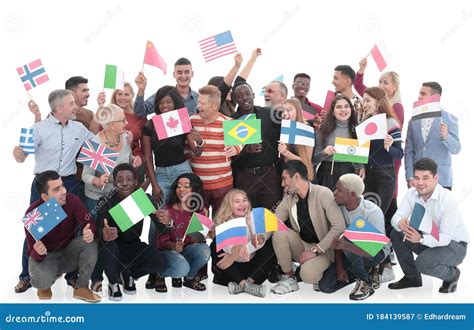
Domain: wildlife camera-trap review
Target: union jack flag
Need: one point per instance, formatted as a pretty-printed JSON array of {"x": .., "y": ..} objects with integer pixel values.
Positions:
[
  {"x": 32, "y": 74},
  {"x": 98, "y": 157},
  {"x": 32, "y": 218}
]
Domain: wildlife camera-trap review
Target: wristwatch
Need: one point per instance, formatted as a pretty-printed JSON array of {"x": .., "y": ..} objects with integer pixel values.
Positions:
[
  {"x": 315, "y": 250},
  {"x": 421, "y": 239}
]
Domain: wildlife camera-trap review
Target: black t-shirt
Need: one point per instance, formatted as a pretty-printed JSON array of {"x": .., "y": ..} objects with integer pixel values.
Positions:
[
  {"x": 307, "y": 231},
  {"x": 271, "y": 126},
  {"x": 167, "y": 152}
]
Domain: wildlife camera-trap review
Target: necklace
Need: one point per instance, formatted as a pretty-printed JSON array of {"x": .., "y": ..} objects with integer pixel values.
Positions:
[{"x": 112, "y": 144}]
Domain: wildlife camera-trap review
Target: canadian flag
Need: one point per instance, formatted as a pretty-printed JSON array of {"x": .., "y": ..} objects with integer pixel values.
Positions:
[
  {"x": 373, "y": 128},
  {"x": 172, "y": 123}
]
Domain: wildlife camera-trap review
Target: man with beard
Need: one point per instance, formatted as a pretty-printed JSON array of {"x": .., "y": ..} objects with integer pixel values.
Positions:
[{"x": 275, "y": 93}]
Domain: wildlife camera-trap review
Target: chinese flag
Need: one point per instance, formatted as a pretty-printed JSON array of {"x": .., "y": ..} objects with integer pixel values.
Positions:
[{"x": 152, "y": 57}]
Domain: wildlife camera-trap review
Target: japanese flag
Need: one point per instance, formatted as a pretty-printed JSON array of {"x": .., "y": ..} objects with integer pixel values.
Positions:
[
  {"x": 172, "y": 123},
  {"x": 374, "y": 128}
]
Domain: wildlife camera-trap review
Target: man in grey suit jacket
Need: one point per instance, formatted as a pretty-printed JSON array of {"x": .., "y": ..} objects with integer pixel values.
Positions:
[{"x": 435, "y": 138}]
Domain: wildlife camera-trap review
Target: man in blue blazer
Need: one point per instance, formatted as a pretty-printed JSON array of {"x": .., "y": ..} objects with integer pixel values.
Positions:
[{"x": 435, "y": 138}]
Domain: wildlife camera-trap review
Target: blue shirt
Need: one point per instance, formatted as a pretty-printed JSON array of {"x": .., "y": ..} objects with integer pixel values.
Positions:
[
  {"x": 57, "y": 145},
  {"x": 143, "y": 108}
]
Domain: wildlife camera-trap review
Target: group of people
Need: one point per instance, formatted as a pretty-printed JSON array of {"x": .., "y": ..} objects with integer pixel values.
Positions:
[{"x": 316, "y": 196}]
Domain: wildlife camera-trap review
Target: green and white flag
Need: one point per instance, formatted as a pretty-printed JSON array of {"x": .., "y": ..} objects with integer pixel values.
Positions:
[
  {"x": 132, "y": 210},
  {"x": 113, "y": 77}
]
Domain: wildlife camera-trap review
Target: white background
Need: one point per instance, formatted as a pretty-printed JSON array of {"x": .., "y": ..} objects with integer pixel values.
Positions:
[{"x": 428, "y": 41}]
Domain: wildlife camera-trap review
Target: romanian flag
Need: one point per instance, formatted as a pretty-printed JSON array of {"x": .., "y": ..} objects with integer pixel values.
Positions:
[
  {"x": 232, "y": 232},
  {"x": 199, "y": 224},
  {"x": 421, "y": 220},
  {"x": 365, "y": 236},
  {"x": 239, "y": 132},
  {"x": 348, "y": 150},
  {"x": 265, "y": 221}
]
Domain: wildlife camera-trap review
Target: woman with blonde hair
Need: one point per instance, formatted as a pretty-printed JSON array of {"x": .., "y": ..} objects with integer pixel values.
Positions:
[
  {"x": 242, "y": 268},
  {"x": 292, "y": 110}
]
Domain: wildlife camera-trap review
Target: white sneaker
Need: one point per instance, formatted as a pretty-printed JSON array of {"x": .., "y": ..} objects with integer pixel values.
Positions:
[
  {"x": 286, "y": 285},
  {"x": 387, "y": 275},
  {"x": 393, "y": 258},
  {"x": 316, "y": 287},
  {"x": 234, "y": 288},
  {"x": 256, "y": 290}
]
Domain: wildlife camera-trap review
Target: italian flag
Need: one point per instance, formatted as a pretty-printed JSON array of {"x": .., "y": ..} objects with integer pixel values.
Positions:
[
  {"x": 348, "y": 150},
  {"x": 132, "y": 210},
  {"x": 199, "y": 224},
  {"x": 114, "y": 77}
]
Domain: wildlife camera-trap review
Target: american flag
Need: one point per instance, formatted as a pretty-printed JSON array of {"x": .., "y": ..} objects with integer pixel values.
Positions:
[
  {"x": 98, "y": 157},
  {"x": 32, "y": 74},
  {"x": 27, "y": 140},
  {"x": 44, "y": 218},
  {"x": 217, "y": 46}
]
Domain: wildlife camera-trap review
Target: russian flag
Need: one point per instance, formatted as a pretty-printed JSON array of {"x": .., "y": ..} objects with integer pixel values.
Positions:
[{"x": 232, "y": 232}]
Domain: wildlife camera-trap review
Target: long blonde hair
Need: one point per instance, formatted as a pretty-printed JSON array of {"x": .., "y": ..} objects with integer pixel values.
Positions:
[
  {"x": 301, "y": 150},
  {"x": 225, "y": 210},
  {"x": 113, "y": 99},
  {"x": 396, "y": 98}
]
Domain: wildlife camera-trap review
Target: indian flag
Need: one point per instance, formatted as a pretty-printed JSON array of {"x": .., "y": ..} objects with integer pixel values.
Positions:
[
  {"x": 348, "y": 150},
  {"x": 199, "y": 224},
  {"x": 114, "y": 77},
  {"x": 132, "y": 210}
]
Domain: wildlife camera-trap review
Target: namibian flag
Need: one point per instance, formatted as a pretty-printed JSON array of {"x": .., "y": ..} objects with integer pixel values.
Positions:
[
  {"x": 348, "y": 150},
  {"x": 265, "y": 221},
  {"x": 232, "y": 232},
  {"x": 239, "y": 132},
  {"x": 365, "y": 236}
]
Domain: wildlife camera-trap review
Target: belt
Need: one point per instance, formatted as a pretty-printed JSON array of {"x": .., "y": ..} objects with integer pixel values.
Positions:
[{"x": 258, "y": 170}]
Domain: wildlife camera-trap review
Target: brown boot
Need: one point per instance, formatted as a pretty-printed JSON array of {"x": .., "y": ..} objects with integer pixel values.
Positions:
[
  {"x": 23, "y": 285},
  {"x": 44, "y": 294},
  {"x": 86, "y": 294}
]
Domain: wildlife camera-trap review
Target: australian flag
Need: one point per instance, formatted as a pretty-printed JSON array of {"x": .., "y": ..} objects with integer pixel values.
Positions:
[
  {"x": 44, "y": 218},
  {"x": 27, "y": 141},
  {"x": 98, "y": 157}
]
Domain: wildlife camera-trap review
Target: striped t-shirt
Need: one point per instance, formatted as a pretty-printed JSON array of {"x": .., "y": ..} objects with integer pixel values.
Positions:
[{"x": 212, "y": 166}]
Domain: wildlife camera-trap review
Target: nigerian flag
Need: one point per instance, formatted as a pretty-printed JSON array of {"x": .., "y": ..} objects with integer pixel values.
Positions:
[{"x": 132, "y": 210}]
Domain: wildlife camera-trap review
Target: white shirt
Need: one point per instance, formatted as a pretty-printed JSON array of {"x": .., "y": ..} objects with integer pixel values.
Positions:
[{"x": 443, "y": 209}]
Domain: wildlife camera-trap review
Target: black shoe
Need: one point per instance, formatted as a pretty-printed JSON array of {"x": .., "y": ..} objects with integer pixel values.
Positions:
[
  {"x": 128, "y": 283},
  {"x": 273, "y": 274},
  {"x": 193, "y": 283},
  {"x": 150, "y": 282},
  {"x": 406, "y": 282},
  {"x": 451, "y": 286},
  {"x": 114, "y": 292},
  {"x": 297, "y": 274},
  {"x": 177, "y": 282}
]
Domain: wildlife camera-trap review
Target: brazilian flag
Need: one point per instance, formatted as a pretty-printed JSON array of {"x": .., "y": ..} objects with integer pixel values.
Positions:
[{"x": 239, "y": 132}]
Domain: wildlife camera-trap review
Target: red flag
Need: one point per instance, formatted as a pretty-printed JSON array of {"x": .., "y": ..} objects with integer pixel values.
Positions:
[
  {"x": 329, "y": 97},
  {"x": 152, "y": 57}
]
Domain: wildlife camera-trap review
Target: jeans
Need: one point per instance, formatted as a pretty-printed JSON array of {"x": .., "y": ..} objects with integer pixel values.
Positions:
[
  {"x": 186, "y": 263},
  {"x": 360, "y": 265},
  {"x": 166, "y": 176},
  {"x": 91, "y": 205}
]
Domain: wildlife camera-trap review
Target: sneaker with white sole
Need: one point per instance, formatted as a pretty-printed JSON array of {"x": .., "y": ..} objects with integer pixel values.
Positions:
[
  {"x": 128, "y": 283},
  {"x": 256, "y": 290},
  {"x": 375, "y": 277},
  {"x": 387, "y": 275},
  {"x": 286, "y": 285},
  {"x": 362, "y": 290},
  {"x": 114, "y": 292},
  {"x": 316, "y": 287},
  {"x": 393, "y": 258},
  {"x": 234, "y": 288}
]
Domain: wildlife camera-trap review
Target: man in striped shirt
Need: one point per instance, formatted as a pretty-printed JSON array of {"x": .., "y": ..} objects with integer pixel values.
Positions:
[{"x": 211, "y": 159}]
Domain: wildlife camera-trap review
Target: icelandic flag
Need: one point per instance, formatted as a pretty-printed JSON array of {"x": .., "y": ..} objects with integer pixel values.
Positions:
[
  {"x": 366, "y": 236},
  {"x": 374, "y": 128},
  {"x": 265, "y": 221},
  {"x": 217, "y": 46},
  {"x": 421, "y": 220},
  {"x": 44, "y": 218},
  {"x": 427, "y": 108},
  {"x": 172, "y": 123},
  {"x": 294, "y": 132},
  {"x": 98, "y": 157},
  {"x": 32, "y": 74},
  {"x": 27, "y": 140},
  {"x": 232, "y": 232}
]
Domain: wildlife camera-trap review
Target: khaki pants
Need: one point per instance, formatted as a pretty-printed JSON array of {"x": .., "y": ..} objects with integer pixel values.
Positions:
[{"x": 289, "y": 246}]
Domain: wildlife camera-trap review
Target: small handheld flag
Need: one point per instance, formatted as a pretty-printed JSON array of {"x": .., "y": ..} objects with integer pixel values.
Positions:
[
  {"x": 380, "y": 54},
  {"x": 348, "y": 150},
  {"x": 199, "y": 223},
  {"x": 32, "y": 74},
  {"x": 27, "y": 140},
  {"x": 153, "y": 58},
  {"x": 217, "y": 46},
  {"x": 98, "y": 157},
  {"x": 239, "y": 132},
  {"x": 366, "y": 236},
  {"x": 294, "y": 132},
  {"x": 132, "y": 210},
  {"x": 172, "y": 123},
  {"x": 114, "y": 77},
  {"x": 373, "y": 128},
  {"x": 329, "y": 97},
  {"x": 40, "y": 221},
  {"x": 249, "y": 116},
  {"x": 421, "y": 220},
  {"x": 232, "y": 232},
  {"x": 427, "y": 108},
  {"x": 265, "y": 221}
]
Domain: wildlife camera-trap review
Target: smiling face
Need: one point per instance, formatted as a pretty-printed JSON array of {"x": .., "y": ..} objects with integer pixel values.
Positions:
[
  {"x": 56, "y": 190},
  {"x": 301, "y": 87},
  {"x": 273, "y": 95},
  {"x": 386, "y": 83},
  {"x": 125, "y": 183},
  {"x": 67, "y": 109},
  {"x": 342, "y": 110},
  {"x": 124, "y": 98},
  {"x": 288, "y": 183},
  {"x": 341, "y": 82},
  {"x": 183, "y": 189},
  {"x": 244, "y": 97},
  {"x": 425, "y": 183},
  {"x": 289, "y": 111},
  {"x": 370, "y": 104},
  {"x": 166, "y": 104},
  {"x": 240, "y": 205},
  {"x": 82, "y": 94},
  {"x": 183, "y": 74}
]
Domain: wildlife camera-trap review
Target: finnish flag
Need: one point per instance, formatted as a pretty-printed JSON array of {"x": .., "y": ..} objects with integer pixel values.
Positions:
[{"x": 293, "y": 132}]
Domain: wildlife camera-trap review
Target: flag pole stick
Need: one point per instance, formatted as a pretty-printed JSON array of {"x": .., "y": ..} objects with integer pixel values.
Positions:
[
  {"x": 31, "y": 99},
  {"x": 143, "y": 63},
  {"x": 332, "y": 166},
  {"x": 184, "y": 236}
]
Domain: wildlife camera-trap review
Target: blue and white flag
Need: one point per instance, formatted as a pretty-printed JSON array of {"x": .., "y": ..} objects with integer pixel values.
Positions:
[
  {"x": 293, "y": 132},
  {"x": 27, "y": 140},
  {"x": 44, "y": 218}
]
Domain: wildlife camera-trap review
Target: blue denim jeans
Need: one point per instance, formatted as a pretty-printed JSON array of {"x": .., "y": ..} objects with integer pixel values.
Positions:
[
  {"x": 187, "y": 263},
  {"x": 166, "y": 176}
]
